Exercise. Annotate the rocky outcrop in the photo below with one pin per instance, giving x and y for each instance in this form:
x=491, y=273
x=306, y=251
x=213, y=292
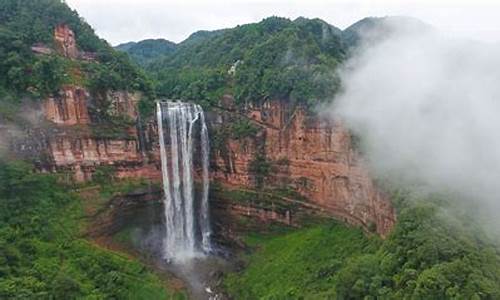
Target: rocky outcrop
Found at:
x=81, y=132
x=65, y=42
x=69, y=108
x=123, y=103
x=310, y=155
x=65, y=45
x=141, y=205
x=41, y=49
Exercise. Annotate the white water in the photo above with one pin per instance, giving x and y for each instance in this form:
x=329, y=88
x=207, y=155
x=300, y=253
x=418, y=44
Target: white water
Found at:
x=187, y=219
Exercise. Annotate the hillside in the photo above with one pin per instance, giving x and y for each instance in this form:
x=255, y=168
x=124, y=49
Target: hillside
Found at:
x=48, y=54
x=34, y=64
x=276, y=58
x=145, y=51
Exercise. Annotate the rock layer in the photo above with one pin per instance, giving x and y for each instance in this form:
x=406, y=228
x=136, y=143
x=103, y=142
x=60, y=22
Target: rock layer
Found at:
x=310, y=155
x=69, y=108
x=65, y=41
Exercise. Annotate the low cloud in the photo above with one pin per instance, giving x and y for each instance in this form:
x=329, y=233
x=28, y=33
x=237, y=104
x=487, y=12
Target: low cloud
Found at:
x=427, y=109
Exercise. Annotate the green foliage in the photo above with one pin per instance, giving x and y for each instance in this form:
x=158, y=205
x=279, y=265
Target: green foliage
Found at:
x=49, y=73
x=42, y=255
x=433, y=253
x=298, y=264
x=243, y=128
x=276, y=58
x=205, y=85
x=103, y=175
x=260, y=168
x=145, y=51
x=112, y=127
x=24, y=23
x=116, y=72
x=36, y=20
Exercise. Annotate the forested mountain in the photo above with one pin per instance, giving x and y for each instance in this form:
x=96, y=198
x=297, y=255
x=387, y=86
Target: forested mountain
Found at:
x=374, y=29
x=433, y=253
x=145, y=51
x=276, y=58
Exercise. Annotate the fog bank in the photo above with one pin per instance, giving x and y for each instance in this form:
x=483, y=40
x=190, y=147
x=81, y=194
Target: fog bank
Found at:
x=427, y=110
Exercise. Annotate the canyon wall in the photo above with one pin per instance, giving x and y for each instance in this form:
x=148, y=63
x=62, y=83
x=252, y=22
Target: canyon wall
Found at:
x=304, y=153
x=79, y=132
x=311, y=156
x=80, y=145
x=290, y=150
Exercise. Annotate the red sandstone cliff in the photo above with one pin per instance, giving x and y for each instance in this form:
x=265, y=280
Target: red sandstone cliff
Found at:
x=75, y=144
x=312, y=156
x=65, y=41
x=68, y=109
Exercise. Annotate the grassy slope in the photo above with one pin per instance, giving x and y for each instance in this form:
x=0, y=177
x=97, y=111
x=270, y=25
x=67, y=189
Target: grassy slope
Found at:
x=297, y=263
x=435, y=252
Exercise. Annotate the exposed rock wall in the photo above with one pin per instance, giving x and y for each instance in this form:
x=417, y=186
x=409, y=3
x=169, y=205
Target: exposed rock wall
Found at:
x=69, y=108
x=65, y=41
x=76, y=146
x=312, y=156
x=123, y=103
x=303, y=153
x=307, y=154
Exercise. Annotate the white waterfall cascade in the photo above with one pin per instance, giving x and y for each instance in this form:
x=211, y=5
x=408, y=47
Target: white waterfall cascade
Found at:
x=187, y=219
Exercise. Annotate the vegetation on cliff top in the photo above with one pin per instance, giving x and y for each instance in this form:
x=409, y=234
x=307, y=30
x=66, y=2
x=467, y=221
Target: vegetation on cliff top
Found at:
x=23, y=74
x=276, y=58
x=433, y=253
x=42, y=253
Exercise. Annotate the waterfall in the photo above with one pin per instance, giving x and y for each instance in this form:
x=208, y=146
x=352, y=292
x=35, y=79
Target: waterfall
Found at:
x=182, y=127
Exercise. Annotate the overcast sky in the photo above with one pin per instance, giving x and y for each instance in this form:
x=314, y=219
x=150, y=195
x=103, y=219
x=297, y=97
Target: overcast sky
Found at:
x=120, y=21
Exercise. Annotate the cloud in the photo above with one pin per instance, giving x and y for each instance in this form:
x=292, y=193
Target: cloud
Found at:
x=427, y=109
x=125, y=20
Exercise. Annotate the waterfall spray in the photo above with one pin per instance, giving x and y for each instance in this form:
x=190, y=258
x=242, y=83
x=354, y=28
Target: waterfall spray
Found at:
x=187, y=221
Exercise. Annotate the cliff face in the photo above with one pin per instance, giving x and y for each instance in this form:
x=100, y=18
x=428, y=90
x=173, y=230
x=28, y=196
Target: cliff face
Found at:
x=309, y=155
x=65, y=41
x=76, y=135
x=291, y=150
x=68, y=109
x=76, y=145
x=306, y=154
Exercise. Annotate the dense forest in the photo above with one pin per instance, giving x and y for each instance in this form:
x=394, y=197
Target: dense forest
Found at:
x=44, y=253
x=145, y=51
x=275, y=58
